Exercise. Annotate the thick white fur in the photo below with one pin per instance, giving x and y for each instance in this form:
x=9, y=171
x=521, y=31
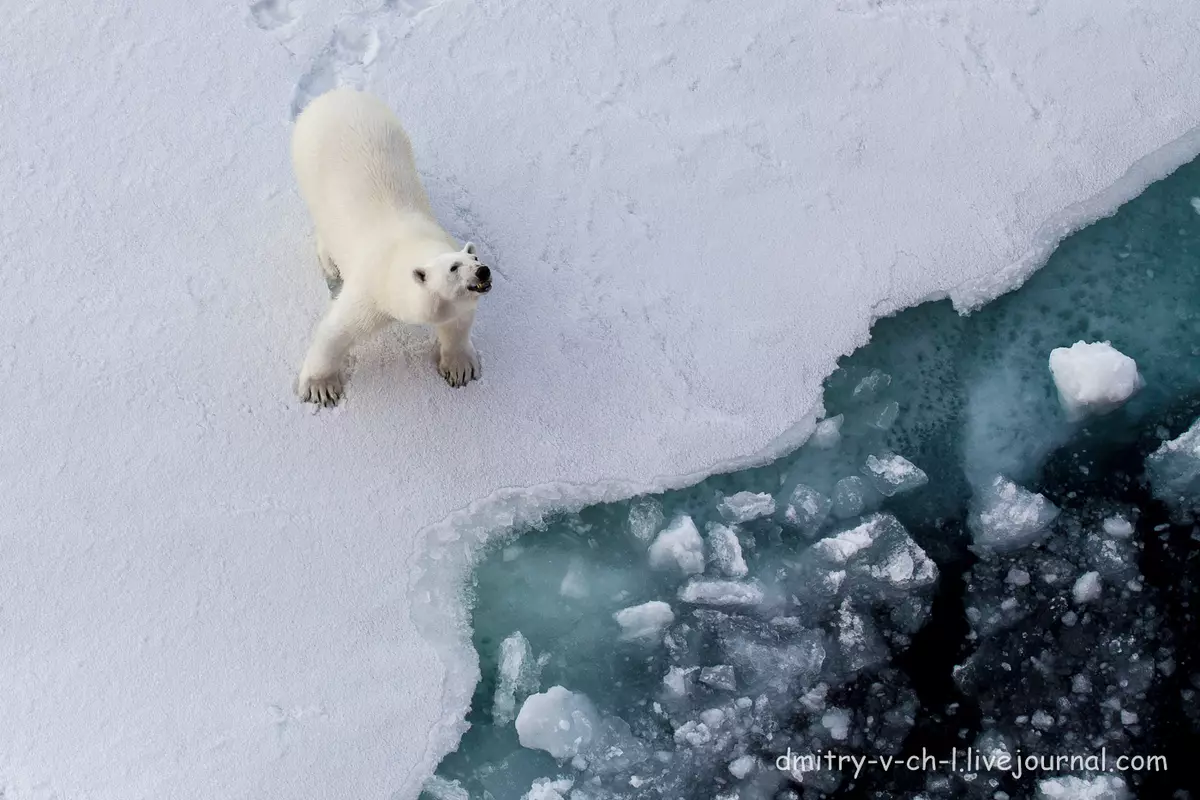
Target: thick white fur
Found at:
x=377, y=233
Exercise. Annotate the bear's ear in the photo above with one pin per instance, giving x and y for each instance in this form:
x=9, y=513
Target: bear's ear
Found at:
x=470, y=248
x=419, y=274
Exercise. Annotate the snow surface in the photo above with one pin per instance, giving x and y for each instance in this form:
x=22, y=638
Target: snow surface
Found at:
x=1093, y=377
x=208, y=590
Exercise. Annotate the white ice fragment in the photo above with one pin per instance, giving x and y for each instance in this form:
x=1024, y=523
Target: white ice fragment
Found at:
x=1070, y=787
x=1017, y=577
x=1005, y=516
x=849, y=497
x=517, y=676
x=1087, y=588
x=1041, y=720
x=726, y=551
x=807, y=509
x=746, y=506
x=442, y=789
x=678, y=681
x=837, y=722
x=842, y=546
x=894, y=474
x=1118, y=527
x=1093, y=378
x=549, y=789
x=645, y=519
x=679, y=547
x=719, y=677
x=875, y=381
x=886, y=416
x=740, y=767
x=559, y=721
x=574, y=583
x=646, y=621
x=828, y=432
x=1174, y=469
x=721, y=593
x=693, y=733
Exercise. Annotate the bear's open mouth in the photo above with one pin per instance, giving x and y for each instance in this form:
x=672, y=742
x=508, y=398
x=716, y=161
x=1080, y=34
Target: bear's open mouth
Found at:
x=481, y=288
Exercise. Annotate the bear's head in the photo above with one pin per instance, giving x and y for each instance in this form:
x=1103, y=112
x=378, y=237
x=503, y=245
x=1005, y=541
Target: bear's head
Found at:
x=454, y=276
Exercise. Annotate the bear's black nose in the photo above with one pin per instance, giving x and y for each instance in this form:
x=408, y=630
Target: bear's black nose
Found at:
x=483, y=273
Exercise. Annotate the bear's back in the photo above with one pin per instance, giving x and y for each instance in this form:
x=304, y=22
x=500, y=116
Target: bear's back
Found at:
x=354, y=162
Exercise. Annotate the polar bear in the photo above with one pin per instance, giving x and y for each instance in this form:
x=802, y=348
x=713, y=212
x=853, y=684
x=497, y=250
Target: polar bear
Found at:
x=376, y=233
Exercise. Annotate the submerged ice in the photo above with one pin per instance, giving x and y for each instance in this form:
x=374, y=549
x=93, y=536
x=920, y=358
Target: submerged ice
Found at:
x=793, y=606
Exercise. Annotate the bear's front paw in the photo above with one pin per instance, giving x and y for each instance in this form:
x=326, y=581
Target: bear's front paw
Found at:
x=459, y=367
x=325, y=390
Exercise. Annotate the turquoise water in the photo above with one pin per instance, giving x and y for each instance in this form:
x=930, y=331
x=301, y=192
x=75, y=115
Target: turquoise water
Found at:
x=962, y=398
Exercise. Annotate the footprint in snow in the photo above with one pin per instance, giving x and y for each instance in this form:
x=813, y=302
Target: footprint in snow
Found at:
x=344, y=61
x=271, y=15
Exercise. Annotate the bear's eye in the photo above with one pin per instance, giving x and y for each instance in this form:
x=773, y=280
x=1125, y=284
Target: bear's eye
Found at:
x=419, y=275
x=454, y=267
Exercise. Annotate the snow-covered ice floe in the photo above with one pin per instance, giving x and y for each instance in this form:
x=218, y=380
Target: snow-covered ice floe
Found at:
x=209, y=591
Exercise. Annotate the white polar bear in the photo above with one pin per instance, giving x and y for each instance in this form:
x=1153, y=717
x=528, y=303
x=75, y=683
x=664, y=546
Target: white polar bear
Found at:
x=377, y=234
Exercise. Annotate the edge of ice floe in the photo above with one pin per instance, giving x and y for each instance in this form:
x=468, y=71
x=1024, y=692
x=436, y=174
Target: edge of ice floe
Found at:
x=449, y=550
x=1146, y=170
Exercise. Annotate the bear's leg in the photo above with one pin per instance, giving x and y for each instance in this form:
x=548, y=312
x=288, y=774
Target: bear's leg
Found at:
x=347, y=319
x=327, y=266
x=457, y=360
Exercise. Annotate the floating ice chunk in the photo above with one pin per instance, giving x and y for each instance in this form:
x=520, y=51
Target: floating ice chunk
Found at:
x=765, y=663
x=1174, y=470
x=740, y=767
x=1005, y=516
x=849, y=497
x=678, y=681
x=1017, y=577
x=745, y=506
x=1093, y=378
x=828, y=432
x=574, y=582
x=719, y=677
x=549, y=789
x=1041, y=720
x=1087, y=588
x=893, y=474
x=875, y=558
x=842, y=546
x=442, y=789
x=875, y=381
x=837, y=722
x=518, y=675
x=886, y=416
x=646, y=622
x=679, y=547
x=1118, y=527
x=721, y=593
x=807, y=509
x=1099, y=787
x=645, y=519
x=693, y=733
x=559, y=721
x=726, y=552
x=1195, y=201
